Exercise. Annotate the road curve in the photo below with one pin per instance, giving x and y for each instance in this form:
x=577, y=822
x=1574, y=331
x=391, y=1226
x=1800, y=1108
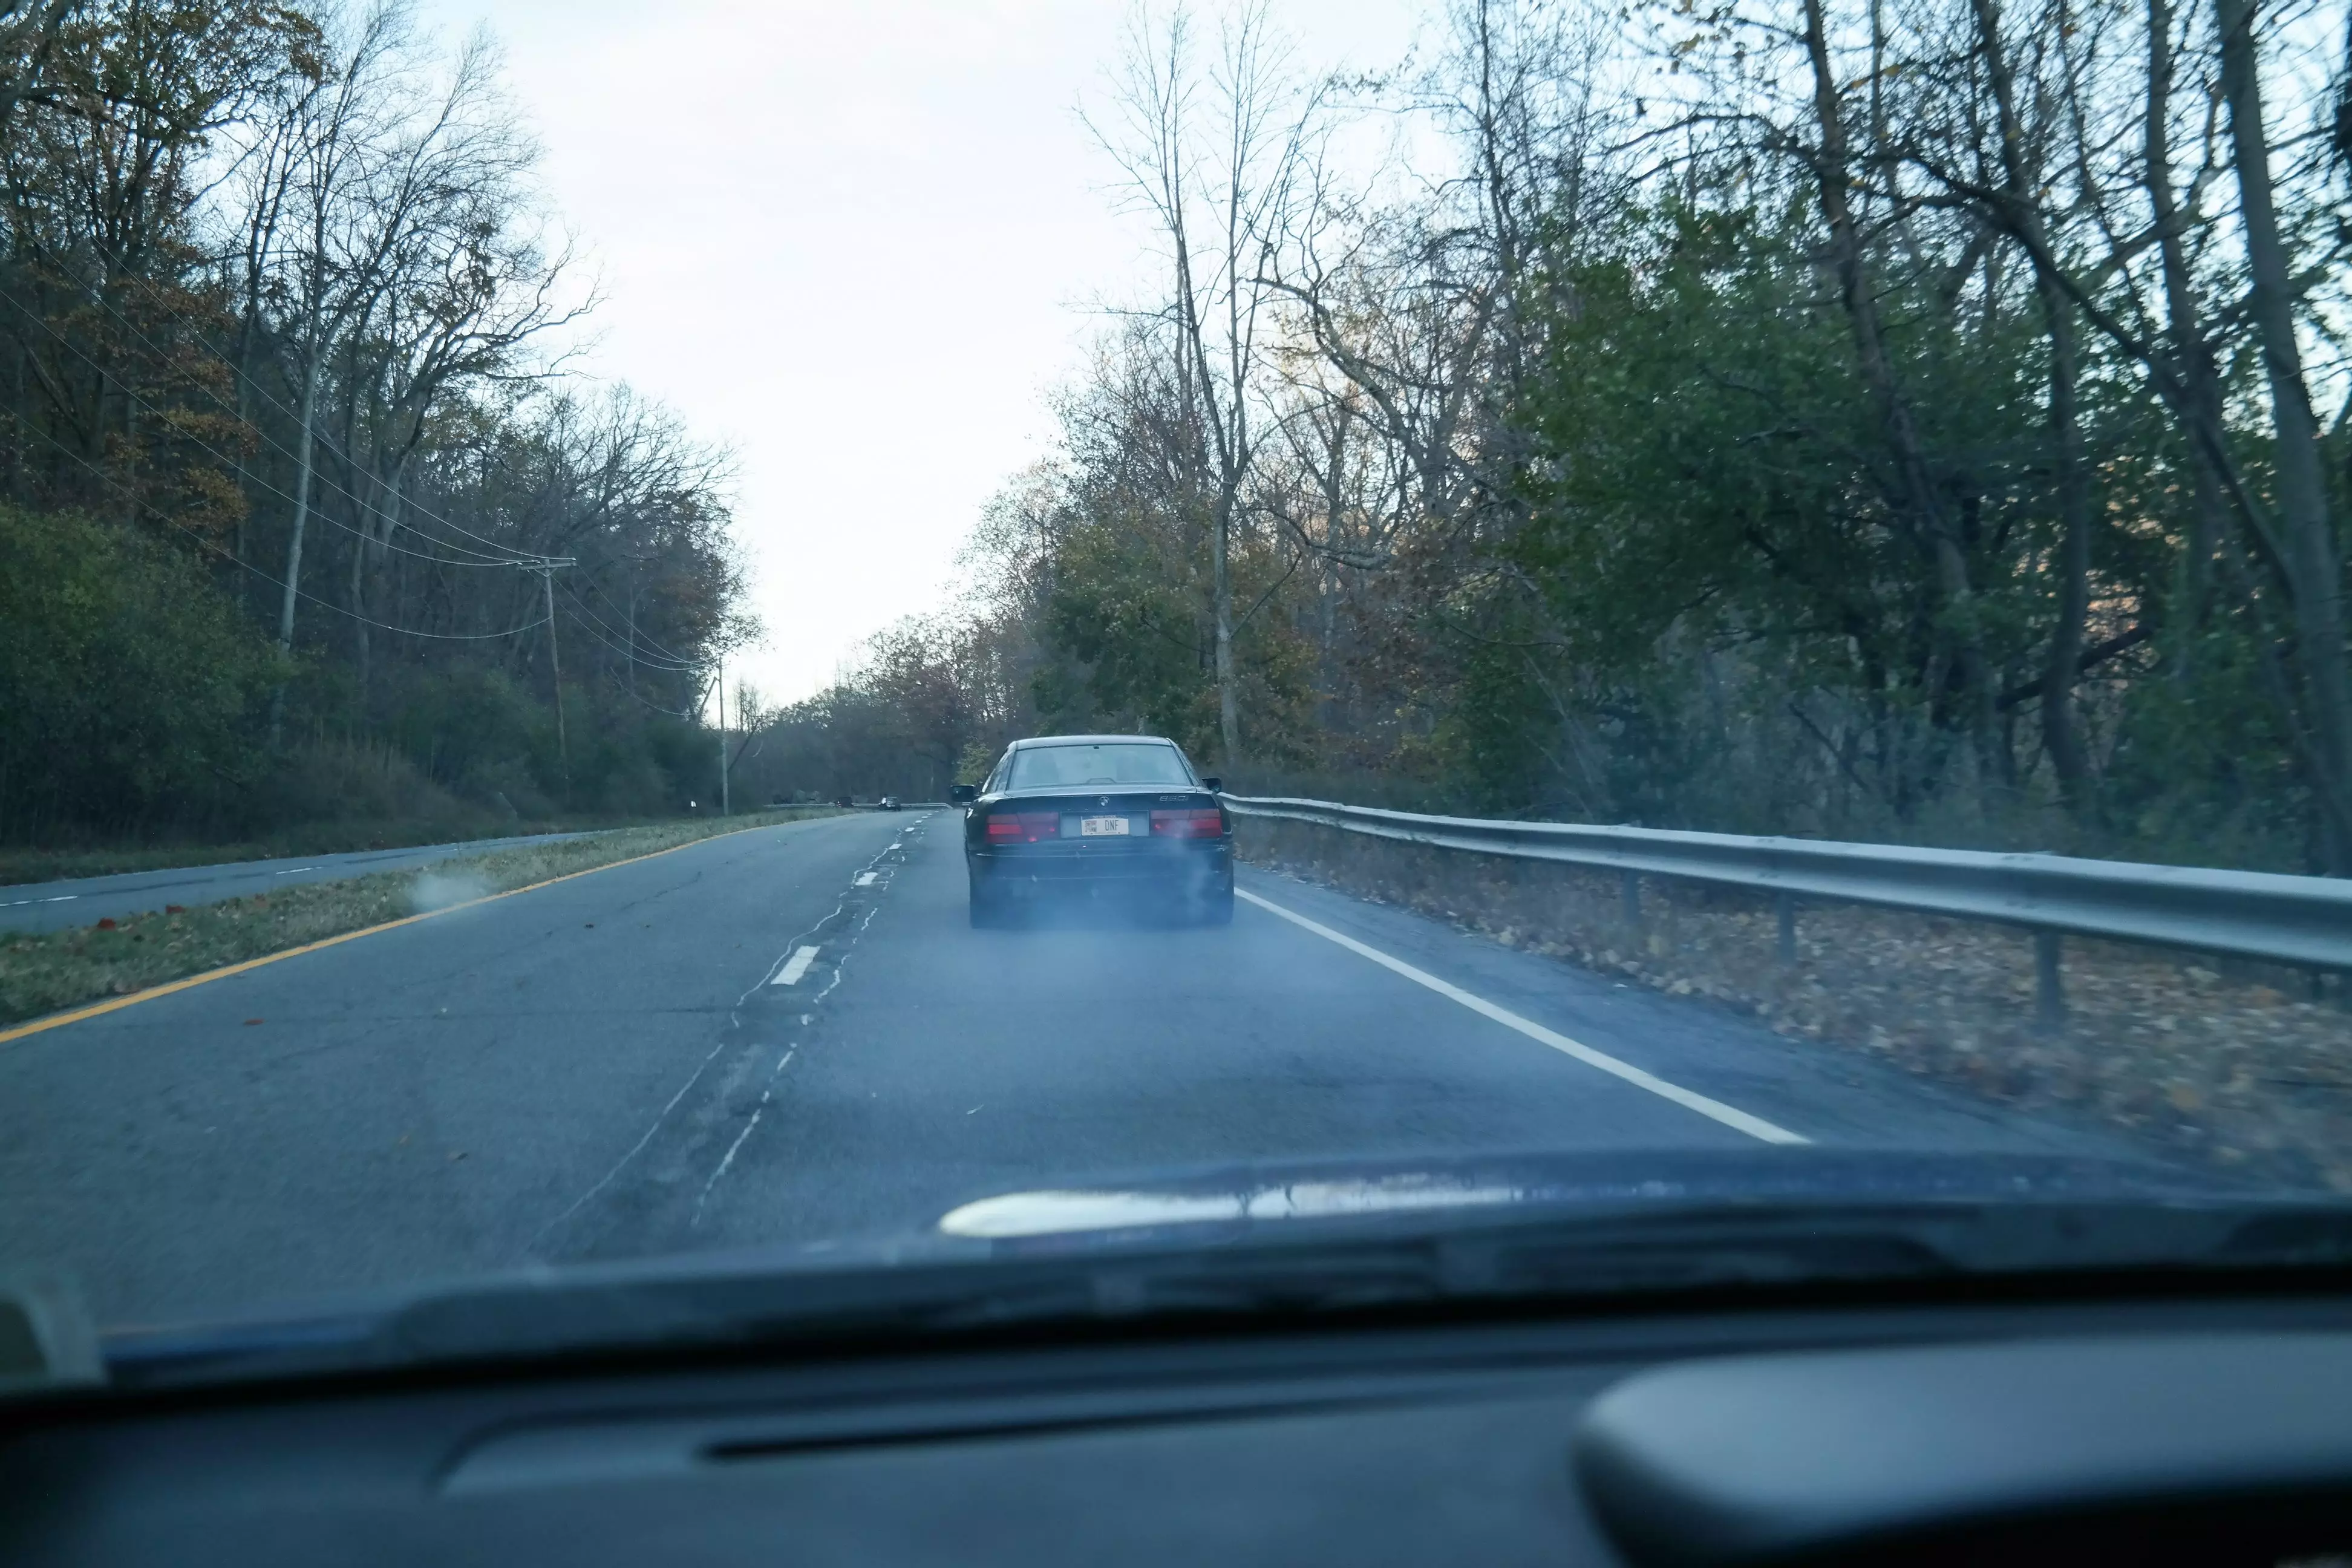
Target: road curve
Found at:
x=791, y=1033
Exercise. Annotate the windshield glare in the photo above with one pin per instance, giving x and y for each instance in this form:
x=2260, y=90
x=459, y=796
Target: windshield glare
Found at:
x=593, y=677
x=1045, y=767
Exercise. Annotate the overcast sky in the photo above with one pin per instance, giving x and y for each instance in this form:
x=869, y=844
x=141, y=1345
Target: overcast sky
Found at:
x=857, y=241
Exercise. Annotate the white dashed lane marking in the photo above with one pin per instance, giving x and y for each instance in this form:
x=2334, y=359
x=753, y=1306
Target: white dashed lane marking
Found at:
x=794, y=966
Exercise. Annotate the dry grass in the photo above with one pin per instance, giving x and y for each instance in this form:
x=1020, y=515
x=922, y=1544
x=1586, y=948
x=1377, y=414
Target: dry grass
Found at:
x=46, y=972
x=2247, y=1066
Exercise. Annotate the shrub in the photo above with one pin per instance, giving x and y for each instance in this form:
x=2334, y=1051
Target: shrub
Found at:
x=131, y=690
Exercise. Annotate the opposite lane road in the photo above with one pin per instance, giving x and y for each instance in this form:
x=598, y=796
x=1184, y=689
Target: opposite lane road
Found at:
x=790, y=1035
x=85, y=900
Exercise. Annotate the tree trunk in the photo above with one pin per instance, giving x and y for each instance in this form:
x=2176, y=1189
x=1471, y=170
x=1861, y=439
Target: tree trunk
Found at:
x=16, y=456
x=1229, y=732
x=244, y=421
x=2200, y=381
x=2314, y=574
x=633, y=630
x=2061, y=735
x=355, y=595
x=294, y=540
x=1915, y=485
x=129, y=458
x=2062, y=730
x=301, y=506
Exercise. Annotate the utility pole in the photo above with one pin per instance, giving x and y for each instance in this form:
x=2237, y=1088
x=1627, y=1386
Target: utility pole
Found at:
x=725, y=807
x=546, y=570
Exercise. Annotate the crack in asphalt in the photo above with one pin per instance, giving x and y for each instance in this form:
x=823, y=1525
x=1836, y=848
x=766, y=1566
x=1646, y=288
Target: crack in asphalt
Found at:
x=737, y=1091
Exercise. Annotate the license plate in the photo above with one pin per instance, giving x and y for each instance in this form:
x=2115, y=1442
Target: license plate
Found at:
x=1102, y=827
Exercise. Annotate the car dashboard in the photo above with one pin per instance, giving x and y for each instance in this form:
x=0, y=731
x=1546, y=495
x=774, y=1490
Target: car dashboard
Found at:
x=2204, y=1429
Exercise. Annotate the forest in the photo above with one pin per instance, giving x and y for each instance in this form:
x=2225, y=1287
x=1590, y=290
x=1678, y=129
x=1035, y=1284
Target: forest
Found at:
x=1913, y=420
x=1918, y=420
x=303, y=517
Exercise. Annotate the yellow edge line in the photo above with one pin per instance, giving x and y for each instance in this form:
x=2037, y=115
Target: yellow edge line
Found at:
x=59, y=1020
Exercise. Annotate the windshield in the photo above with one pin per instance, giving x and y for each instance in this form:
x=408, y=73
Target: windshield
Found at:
x=1042, y=767
x=599, y=679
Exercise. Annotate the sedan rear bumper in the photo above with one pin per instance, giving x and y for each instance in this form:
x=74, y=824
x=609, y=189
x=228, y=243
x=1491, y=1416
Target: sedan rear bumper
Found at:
x=1201, y=865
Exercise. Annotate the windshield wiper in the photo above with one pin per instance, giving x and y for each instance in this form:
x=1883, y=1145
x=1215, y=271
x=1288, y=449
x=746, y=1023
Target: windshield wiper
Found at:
x=1347, y=1267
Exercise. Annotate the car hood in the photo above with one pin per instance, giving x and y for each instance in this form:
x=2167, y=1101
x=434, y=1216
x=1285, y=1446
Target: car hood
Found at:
x=1259, y=1195
x=1288, y=1237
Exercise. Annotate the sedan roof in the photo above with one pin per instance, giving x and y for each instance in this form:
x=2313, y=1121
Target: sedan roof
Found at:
x=1092, y=740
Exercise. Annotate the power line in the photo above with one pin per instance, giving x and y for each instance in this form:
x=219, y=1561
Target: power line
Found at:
x=264, y=394
x=323, y=515
x=263, y=484
x=634, y=635
x=671, y=662
x=597, y=589
x=316, y=435
x=233, y=559
x=624, y=655
x=643, y=702
x=546, y=570
x=590, y=632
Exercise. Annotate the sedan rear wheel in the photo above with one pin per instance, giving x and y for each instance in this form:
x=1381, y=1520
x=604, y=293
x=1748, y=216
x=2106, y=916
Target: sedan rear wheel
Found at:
x=987, y=906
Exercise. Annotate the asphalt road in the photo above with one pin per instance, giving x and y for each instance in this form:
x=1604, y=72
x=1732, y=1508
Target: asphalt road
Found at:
x=85, y=900
x=644, y=1060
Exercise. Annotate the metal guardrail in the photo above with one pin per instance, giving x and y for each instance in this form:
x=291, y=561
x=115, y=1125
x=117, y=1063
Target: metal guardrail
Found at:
x=2305, y=922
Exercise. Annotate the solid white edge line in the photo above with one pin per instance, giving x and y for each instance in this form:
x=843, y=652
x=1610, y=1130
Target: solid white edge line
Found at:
x=1713, y=1109
x=794, y=966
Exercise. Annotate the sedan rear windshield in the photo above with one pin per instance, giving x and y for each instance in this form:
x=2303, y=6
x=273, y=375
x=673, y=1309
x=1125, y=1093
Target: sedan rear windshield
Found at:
x=1109, y=763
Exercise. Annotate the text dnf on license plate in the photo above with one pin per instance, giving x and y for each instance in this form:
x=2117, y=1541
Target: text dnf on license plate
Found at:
x=1102, y=827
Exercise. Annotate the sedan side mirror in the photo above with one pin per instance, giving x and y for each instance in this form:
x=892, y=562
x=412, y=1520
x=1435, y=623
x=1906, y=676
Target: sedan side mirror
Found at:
x=1212, y=783
x=962, y=795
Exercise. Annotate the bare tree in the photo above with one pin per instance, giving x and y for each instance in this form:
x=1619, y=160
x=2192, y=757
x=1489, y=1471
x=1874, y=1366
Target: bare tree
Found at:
x=386, y=168
x=1219, y=160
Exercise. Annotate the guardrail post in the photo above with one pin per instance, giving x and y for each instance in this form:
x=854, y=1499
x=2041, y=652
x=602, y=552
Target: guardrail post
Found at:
x=1630, y=890
x=2049, y=983
x=1786, y=908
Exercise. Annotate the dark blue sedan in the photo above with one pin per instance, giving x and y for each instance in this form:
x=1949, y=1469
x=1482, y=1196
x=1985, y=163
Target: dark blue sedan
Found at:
x=1097, y=813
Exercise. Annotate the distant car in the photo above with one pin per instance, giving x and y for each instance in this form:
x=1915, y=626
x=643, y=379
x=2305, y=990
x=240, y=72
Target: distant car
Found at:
x=889, y=803
x=1097, y=813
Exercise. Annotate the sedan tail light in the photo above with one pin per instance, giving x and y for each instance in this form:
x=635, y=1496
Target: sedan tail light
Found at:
x=1199, y=824
x=1024, y=826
